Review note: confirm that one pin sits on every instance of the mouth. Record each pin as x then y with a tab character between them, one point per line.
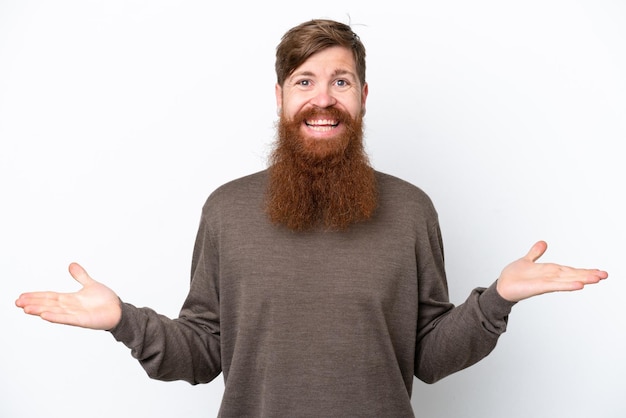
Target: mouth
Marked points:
321	125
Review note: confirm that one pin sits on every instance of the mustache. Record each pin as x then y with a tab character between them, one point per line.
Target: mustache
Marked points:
323	113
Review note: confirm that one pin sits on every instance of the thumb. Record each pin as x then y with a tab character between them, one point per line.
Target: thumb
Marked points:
536	251
79	274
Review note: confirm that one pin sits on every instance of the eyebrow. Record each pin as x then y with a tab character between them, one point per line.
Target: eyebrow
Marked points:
337	72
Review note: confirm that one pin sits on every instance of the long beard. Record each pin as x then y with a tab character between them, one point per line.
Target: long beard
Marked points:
327	184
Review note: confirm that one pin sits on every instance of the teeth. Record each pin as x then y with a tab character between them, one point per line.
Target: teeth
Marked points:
324	128
322	122
322	125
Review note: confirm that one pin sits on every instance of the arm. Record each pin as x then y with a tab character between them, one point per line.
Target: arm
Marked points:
186	348
170	349
452	339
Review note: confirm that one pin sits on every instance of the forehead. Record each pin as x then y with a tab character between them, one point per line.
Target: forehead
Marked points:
329	61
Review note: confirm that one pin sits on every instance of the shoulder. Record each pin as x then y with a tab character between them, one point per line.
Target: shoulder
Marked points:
245	184
404	210
395	190
238	191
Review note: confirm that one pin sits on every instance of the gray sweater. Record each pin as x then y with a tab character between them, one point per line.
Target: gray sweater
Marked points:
316	324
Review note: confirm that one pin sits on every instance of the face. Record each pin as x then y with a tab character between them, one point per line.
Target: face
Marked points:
328	79
320	174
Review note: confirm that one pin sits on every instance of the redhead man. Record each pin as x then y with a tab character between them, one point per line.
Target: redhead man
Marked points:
318	285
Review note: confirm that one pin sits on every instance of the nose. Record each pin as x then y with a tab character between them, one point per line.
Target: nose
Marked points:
323	98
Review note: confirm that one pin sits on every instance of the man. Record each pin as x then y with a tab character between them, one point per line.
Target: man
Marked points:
318	285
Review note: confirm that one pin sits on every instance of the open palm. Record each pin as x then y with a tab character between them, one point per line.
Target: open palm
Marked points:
94	306
525	277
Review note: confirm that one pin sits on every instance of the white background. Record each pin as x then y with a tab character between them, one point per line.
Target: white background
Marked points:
118	118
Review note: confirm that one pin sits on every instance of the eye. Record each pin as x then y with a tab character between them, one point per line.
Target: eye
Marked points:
342	83
303	83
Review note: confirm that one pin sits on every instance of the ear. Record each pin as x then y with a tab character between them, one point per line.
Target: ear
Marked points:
364	93
278	90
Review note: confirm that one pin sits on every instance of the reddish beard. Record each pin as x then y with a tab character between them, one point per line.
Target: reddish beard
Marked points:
327	183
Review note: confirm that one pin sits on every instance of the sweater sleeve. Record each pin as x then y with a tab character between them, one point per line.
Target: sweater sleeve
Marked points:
188	347
452	338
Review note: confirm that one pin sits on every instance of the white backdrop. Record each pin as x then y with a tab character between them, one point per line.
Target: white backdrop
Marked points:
118	118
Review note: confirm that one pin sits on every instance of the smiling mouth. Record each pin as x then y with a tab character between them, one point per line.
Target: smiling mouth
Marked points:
322	125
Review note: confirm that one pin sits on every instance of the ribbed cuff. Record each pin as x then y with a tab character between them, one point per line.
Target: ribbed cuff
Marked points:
493	305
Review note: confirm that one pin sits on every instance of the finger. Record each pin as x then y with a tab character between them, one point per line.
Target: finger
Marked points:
35	303
36	298
553	285
79	274
602	274
564	286
38	310
60	318
536	251
586	276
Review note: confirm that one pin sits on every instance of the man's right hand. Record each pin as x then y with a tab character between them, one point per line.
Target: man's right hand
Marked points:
94	306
